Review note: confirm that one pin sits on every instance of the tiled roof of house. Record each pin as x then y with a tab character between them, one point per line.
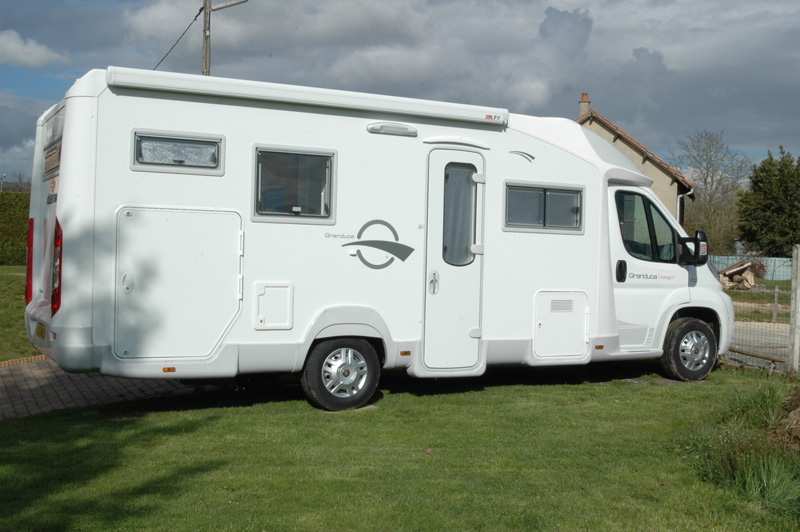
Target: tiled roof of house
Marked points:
592	115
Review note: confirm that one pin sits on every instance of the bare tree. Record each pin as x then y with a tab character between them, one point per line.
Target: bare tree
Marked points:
718	174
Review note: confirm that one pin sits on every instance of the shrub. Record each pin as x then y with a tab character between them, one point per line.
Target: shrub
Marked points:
749	446
759	269
13	228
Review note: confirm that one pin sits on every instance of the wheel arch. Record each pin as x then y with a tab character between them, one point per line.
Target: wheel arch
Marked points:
705	314
348	322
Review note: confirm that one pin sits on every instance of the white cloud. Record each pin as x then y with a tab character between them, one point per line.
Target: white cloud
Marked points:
27	53
160	21
489	52
18	158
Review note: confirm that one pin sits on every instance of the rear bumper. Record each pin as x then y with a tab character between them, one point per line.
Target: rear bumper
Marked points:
38	330
72	348
73	351
69	347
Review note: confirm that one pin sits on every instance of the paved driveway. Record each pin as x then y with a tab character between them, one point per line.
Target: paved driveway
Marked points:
35	385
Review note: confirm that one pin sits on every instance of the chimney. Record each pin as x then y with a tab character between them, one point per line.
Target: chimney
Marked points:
585	104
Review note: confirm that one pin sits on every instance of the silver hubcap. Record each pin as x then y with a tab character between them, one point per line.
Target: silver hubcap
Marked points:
694	351
344	372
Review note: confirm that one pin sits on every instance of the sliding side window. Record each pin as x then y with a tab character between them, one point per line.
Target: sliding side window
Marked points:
294	184
536	208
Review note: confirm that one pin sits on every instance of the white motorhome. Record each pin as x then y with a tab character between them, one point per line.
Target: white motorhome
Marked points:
195	227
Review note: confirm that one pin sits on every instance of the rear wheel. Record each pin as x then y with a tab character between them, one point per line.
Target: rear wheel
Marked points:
341	374
690	350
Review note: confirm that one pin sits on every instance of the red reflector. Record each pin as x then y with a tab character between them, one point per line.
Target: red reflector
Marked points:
55	295
29	269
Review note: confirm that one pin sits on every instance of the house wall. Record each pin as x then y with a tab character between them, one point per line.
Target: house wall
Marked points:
663	185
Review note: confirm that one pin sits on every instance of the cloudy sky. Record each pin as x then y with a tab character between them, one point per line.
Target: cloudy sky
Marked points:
660	69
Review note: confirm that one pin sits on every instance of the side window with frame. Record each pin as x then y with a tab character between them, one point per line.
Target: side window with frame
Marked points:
534	208
176	153
294	184
646	233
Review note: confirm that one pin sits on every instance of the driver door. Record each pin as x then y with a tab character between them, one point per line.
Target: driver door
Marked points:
648	283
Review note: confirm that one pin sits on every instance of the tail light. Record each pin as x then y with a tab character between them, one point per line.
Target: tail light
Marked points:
29	268
55	295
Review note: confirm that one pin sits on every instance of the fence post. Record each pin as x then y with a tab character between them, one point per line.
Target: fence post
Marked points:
775	305
794	351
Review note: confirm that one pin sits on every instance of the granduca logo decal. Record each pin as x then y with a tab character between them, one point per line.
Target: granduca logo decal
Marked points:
660	277
394	248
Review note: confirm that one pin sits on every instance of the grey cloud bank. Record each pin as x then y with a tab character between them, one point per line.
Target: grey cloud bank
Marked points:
660	69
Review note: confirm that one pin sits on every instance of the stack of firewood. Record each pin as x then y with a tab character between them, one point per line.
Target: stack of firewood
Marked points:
740	276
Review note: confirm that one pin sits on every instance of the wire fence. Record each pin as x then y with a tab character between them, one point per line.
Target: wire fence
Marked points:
775	268
763	316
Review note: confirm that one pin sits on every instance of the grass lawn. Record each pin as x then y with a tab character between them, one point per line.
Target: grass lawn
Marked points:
13	339
590	448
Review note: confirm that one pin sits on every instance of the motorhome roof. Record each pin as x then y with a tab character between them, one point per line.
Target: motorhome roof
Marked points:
255	90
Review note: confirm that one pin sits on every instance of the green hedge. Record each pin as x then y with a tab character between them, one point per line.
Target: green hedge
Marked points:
14	228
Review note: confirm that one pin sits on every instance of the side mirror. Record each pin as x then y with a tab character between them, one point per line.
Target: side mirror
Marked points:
693	250
701	252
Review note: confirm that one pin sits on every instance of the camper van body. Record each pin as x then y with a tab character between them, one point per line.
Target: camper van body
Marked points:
195	227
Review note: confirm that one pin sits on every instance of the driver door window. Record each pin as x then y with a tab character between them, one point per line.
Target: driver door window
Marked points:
646	233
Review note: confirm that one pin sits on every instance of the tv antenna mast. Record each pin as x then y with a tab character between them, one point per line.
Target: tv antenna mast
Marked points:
207	9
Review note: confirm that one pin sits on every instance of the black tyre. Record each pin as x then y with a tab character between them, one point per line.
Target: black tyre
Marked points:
690	350
341	374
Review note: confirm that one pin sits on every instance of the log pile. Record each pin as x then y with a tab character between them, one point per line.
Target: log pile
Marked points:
740	276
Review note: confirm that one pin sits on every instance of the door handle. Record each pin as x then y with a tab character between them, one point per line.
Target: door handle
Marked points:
433	283
622	271
127	282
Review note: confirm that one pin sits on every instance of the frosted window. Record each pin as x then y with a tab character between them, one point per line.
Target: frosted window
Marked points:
177	152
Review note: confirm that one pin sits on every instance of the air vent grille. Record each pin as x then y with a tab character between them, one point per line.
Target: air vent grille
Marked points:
561	305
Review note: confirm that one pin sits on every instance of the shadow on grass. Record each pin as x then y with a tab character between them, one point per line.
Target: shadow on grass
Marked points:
64	470
598	373
277	389
43	463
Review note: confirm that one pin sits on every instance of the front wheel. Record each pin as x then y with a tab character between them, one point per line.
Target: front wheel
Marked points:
341	374
690	350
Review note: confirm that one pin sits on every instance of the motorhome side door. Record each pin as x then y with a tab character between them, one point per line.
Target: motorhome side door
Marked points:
648	282
454	259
